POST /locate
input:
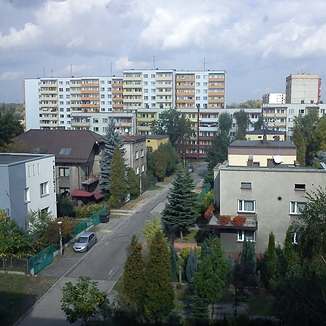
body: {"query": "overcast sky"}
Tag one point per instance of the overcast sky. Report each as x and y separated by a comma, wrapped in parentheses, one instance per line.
(258, 42)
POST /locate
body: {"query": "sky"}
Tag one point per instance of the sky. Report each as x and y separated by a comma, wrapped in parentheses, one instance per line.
(257, 42)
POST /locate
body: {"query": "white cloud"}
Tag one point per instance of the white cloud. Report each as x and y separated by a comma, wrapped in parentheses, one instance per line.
(11, 75)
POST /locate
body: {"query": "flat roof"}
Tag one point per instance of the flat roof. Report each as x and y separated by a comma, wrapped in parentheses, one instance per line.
(262, 143)
(9, 158)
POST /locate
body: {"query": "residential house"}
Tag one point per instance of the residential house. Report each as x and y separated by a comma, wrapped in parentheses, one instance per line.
(154, 141)
(28, 183)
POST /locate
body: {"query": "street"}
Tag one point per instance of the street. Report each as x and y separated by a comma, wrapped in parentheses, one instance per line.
(103, 263)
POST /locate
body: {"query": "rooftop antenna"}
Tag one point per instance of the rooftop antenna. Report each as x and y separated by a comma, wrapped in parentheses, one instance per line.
(71, 70)
(154, 61)
(44, 72)
(204, 63)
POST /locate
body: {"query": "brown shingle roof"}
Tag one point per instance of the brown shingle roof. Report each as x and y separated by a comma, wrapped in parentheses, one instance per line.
(69, 146)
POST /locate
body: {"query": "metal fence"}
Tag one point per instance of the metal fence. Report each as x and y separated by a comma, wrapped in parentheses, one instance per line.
(204, 192)
(14, 264)
(42, 259)
(91, 221)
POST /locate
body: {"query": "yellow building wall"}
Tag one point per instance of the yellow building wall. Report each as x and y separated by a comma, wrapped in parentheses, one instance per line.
(268, 137)
(155, 143)
(241, 160)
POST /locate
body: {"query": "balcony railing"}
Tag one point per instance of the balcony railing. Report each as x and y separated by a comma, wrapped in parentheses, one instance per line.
(251, 222)
(94, 177)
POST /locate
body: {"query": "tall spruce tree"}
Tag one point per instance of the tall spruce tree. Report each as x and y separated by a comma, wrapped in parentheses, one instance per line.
(181, 209)
(133, 290)
(192, 264)
(271, 258)
(118, 180)
(159, 291)
(248, 263)
(111, 139)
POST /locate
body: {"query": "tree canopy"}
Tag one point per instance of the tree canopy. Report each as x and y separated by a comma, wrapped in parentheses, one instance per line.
(9, 128)
(225, 122)
(218, 151)
(174, 124)
(243, 121)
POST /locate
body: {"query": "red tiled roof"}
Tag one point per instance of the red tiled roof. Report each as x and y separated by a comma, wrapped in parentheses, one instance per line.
(80, 193)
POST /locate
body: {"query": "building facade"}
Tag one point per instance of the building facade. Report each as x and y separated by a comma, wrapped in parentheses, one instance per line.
(303, 89)
(274, 98)
(28, 183)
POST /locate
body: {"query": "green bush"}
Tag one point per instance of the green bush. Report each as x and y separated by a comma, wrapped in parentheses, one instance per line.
(88, 210)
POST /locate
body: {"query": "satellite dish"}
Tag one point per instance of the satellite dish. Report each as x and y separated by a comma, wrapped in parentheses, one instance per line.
(126, 130)
(277, 159)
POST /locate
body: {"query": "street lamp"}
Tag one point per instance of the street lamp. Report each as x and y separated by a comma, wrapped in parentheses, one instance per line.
(60, 237)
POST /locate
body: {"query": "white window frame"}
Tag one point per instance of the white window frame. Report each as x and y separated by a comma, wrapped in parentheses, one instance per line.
(142, 152)
(241, 234)
(27, 195)
(44, 189)
(136, 155)
(295, 207)
(241, 206)
(64, 172)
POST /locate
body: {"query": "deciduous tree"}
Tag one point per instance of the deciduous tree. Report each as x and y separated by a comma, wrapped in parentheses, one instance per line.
(225, 122)
(243, 121)
(174, 124)
(9, 128)
(300, 144)
(218, 151)
(133, 183)
(83, 300)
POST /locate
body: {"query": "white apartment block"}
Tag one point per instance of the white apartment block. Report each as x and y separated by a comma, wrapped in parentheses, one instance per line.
(303, 89)
(274, 98)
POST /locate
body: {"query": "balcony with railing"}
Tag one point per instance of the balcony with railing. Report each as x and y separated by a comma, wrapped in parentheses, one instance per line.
(235, 222)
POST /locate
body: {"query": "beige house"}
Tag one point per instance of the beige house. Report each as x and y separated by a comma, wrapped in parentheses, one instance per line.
(135, 156)
(261, 153)
(154, 141)
(262, 183)
(270, 135)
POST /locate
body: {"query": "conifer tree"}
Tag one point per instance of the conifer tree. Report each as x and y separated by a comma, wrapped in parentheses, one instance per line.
(134, 276)
(173, 263)
(133, 183)
(271, 258)
(111, 139)
(159, 291)
(191, 267)
(199, 310)
(181, 209)
(248, 263)
(118, 180)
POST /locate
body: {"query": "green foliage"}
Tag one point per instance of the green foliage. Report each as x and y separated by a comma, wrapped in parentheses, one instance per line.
(83, 300)
(118, 183)
(192, 265)
(159, 292)
(209, 178)
(88, 210)
(208, 199)
(14, 242)
(259, 123)
(38, 222)
(199, 309)
(171, 157)
(248, 263)
(151, 228)
(181, 209)
(9, 128)
(212, 276)
(319, 137)
(133, 289)
(243, 121)
(173, 263)
(247, 104)
(271, 258)
(224, 122)
(218, 151)
(300, 144)
(174, 124)
(158, 164)
(66, 207)
(133, 183)
(111, 140)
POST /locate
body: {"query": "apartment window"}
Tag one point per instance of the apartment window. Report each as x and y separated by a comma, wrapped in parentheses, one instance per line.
(246, 236)
(152, 75)
(95, 120)
(245, 185)
(95, 129)
(142, 153)
(44, 189)
(246, 206)
(27, 195)
(105, 120)
(300, 186)
(67, 89)
(137, 155)
(143, 168)
(60, 89)
(297, 207)
(145, 75)
(137, 170)
(63, 172)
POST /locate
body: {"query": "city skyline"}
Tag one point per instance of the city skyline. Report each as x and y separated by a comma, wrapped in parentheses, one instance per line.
(258, 43)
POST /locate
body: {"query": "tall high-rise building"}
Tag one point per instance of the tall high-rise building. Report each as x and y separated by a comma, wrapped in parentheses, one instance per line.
(303, 89)
(274, 98)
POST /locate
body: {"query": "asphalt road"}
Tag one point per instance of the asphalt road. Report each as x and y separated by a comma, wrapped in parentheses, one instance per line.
(103, 263)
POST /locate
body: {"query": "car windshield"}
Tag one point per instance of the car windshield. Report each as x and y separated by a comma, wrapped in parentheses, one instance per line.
(82, 240)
